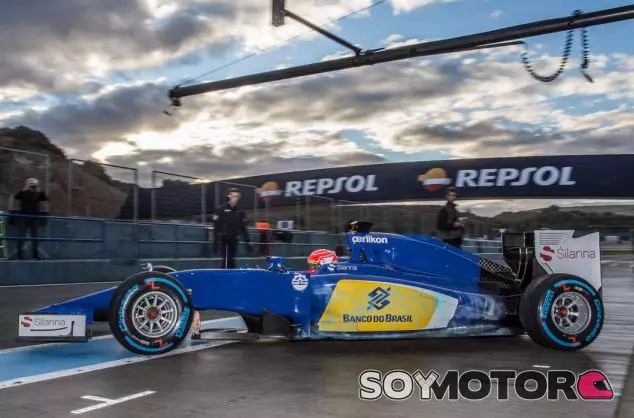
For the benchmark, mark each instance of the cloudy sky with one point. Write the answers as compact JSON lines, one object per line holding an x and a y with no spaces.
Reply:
{"x":94,"y":77}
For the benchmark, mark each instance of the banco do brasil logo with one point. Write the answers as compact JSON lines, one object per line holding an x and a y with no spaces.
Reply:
{"x":379,"y":298}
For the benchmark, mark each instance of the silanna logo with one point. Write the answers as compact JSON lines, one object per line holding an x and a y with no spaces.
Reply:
{"x":562,"y":253}
{"x":434,"y":179}
{"x":43,"y":324}
{"x":379,"y":298}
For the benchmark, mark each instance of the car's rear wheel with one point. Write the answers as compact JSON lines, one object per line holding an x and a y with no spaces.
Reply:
{"x":562,"y":311}
{"x":151,"y":313}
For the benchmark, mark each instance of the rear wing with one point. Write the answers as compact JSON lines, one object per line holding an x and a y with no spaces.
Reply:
{"x":546,"y":251}
{"x":561,"y":252}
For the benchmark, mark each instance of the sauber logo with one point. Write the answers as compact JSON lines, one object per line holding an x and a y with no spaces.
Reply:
{"x":561,"y":253}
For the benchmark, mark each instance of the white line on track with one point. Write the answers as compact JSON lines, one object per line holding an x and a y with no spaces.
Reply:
{"x":131,"y":360}
{"x":101,"y":337}
{"x":47,"y":345}
{"x":104,"y":402}
{"x":86,"y":369}
{"x":540,"y":366}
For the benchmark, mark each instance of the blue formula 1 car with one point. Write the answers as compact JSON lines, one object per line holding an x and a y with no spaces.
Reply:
{"x":391,"y":286}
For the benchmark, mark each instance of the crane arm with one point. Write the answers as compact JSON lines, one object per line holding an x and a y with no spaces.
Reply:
{"x":500,"y":37}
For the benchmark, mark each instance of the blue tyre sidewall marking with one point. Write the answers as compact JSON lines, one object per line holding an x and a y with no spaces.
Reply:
{"x":147,"y":349}
{"x":181,"y":326}
{"x":555,"y":339}
{"x":180,"y":330}
{"x":548,"y":302}
{"x":168,"y":282}
{"x":124,"y":303}
{"x":593,"y":334}
{"x":578,"y":283}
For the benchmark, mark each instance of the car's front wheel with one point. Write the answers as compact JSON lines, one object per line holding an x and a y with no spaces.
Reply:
{"x":151,"y":313}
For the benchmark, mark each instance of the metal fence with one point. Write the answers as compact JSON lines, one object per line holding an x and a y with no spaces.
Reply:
{"x":92,"y":238}
{"x":99,"y":190}
{"x":78,"y":238}
{"x":178,"y":205}
{"x":16,"y":166}
{"x":91,"y":189}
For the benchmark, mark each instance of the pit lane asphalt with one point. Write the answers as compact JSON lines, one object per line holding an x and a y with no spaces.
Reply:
{"x":320,"y":379}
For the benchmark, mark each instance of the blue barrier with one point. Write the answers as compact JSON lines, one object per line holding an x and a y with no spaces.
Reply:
{"x":77,"y":250}
{"x":66,"y":238}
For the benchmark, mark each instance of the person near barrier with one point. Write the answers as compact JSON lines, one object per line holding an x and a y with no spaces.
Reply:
{"x":230,"y":221}
{"x":449,"y":224}
{"x":31,"y":203}
{"x":264,"y":238}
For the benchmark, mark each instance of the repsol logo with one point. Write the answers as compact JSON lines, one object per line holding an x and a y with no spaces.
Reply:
{"x":377,"y":318}
{"x":540,"y":176}
{"x":368,"y":239}
{"x":352,"y":184}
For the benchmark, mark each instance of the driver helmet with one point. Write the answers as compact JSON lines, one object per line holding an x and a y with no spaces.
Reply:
{"x":320,"y":257}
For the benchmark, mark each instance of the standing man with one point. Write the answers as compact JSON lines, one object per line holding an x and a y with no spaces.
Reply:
{"x":449,"y":224}
{"x":32,"y":202}
{"x":230,"y":222}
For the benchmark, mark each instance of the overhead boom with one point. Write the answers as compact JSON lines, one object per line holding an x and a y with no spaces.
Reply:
{"x":500,"y":37}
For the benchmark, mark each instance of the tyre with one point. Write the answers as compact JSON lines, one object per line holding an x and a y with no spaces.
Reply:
{"x":151,"y":313}
{"x":562,"y":311}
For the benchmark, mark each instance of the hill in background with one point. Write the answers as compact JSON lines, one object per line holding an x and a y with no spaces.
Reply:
{"x":96,"y":194}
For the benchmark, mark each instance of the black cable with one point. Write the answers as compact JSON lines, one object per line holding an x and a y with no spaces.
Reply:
{"x":585,"y":53}
{"x":283,"y":42}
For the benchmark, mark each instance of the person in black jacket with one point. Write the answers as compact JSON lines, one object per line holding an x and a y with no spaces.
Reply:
{"x":449,"y":224}
{"x":32,"y":201}
{"x":230,"y":222}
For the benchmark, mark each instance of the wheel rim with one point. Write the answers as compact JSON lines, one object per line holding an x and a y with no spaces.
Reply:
{"x":154,"y":314}
{"x":571,"y":313}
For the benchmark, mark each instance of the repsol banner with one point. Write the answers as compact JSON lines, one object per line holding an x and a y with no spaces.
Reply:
{"x":572,"y":176}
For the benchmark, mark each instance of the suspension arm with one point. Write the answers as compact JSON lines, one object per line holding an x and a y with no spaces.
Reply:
{"x":463,"y":43}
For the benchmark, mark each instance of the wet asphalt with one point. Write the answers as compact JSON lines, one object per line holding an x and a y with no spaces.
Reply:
{"x":320,"y":379}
